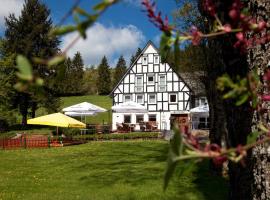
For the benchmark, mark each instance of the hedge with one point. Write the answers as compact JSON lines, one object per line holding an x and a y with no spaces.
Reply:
{"x":120,"y":136}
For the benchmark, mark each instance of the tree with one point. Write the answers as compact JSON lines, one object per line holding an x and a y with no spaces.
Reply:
{"x":134,"y":57}
{"x":259,"y":58}
{"x":237,"y":118}
{"x":119,"y":71}
{"x":89,"y":80}
{"x":76,"y":74}
{"x":28,"y":35}
{"x":104,"y":77}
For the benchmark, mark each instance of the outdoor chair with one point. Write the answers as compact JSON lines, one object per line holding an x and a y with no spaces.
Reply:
{"x":119,"y":127}
{"x":151,"y":126}
{"x":126,"y":127}
{"x":99,"y":128}
{"x":142,"y":126}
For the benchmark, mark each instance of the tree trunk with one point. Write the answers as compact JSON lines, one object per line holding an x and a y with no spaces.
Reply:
{"x":259,"y":57}
{"x":23,"y":106}
{"x":33,"y":108}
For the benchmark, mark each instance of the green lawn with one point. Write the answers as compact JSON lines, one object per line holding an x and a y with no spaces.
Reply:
{"x":128,"y":170}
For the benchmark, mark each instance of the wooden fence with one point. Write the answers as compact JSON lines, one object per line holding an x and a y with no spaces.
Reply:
{"x":36,"y":142}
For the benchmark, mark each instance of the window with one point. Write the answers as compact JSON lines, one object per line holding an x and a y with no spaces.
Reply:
{"x":152,"y":118}
{"x":144,"y":60}
{"x":173,"y":98}
{"x":127,"y":119}
{"x":203,"y":101}
{"x":139,"y":84}
{"x":127,"y":98}
{"x":139,"y":118}
{"x":156,"y":60}
{"x":162,"y":83}
{"x":151,"y":79}
{"x":140,"y":98}
{"x":152,"y":98}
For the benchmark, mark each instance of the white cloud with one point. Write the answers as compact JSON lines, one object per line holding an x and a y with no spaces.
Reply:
{"x":7,"y":7}
{"x":106,"y":40}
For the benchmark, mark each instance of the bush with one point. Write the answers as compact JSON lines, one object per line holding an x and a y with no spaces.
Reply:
{"x":7,"y":119}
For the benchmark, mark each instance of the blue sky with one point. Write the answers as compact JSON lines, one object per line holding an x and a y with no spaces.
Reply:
{"x":119,"y":31}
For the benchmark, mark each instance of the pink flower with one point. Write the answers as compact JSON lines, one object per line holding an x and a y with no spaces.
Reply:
{"x":227,"y":28}
{"x":265,"y":97}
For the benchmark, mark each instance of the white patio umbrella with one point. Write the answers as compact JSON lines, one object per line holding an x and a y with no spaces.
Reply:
{"x":129,"y":107}
{"x":197,"y":113}
{"x":76,"y":114}
{"x":84,"y":107}
{"x":200,"y":110}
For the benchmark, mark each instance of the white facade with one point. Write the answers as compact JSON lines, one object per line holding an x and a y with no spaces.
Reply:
{"x":154,"y":85}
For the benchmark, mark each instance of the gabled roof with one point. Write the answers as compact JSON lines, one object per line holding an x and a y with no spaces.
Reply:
{"x":130,"y":67}
{"x":195,"y":81}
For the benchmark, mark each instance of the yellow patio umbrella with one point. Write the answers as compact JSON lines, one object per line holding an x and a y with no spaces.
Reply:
{"x":58,"y":120}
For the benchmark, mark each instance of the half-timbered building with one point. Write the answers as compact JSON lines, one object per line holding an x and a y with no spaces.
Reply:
{"x":155,"y":85}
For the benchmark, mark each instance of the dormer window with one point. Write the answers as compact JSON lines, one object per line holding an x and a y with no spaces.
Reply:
{"x":156,"y":59}
{"x":144,"y":60}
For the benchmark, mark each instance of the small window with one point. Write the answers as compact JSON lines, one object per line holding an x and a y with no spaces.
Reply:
{"x":127,"y":119}
{"x":151,"y":79}
{"x":162,"y":83}
{"x":173,"y":98}
{"x":139,"y":118}
{"x":152,"y":118}
{"x":156,"y":60}
{"x":140,"y":99}
{"x":127,"y":98}
{"x":162,"y":88}
{"x":144,"y":60}
{"x":152,"y":98}
{"x":139,"y":84}
{"x":203,"y":101}
{"x":162,"y":80}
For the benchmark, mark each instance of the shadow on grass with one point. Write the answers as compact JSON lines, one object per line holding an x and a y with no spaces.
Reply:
{"x":142,"y":164}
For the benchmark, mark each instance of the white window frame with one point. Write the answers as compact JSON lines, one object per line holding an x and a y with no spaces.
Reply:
{"x":203,"y":99}
{"x":162,"y":85}
{"x":156,"y":61}
{"x":138,"y":87}
{"x":149,"y":98}
{"x":151,"y":82}
{"x":127,"y":95}
{"x":176,"y":99}
{"x":145,"y":60}
{"x":137,"y":98}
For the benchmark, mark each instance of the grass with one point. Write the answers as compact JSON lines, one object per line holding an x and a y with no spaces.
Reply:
{"x":130,"y":170}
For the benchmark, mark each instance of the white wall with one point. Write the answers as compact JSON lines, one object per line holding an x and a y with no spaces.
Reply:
{"x":163,"y":118}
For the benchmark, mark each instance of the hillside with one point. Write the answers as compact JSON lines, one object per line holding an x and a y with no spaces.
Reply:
{"x":102,"y":101}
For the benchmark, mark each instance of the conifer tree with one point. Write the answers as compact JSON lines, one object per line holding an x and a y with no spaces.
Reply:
{"x":104,"y":77}
{"x":119,"y":71}
{"x":77,"y":66}
{"x":134,"y":57}
{"x":28,"y":35}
